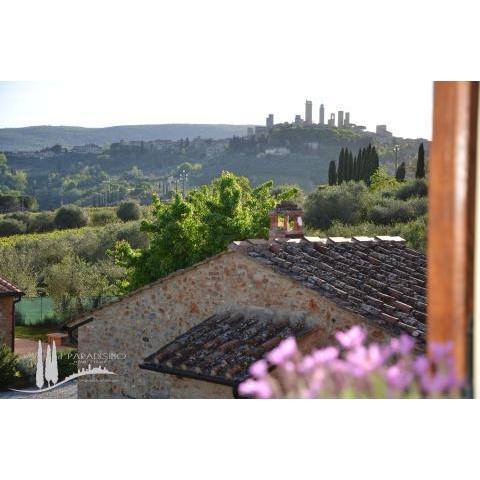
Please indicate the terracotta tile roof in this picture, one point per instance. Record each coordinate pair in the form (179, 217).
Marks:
(221, 348)
(7, 288)
(380, 278)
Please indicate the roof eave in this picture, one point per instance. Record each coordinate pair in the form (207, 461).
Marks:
(188, 374)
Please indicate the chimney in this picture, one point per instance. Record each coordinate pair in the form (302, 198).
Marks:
(286, 221)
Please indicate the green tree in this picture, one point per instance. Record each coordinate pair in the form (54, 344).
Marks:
(74, 280)
(8, 366)
(70, 216)
(10, 226)
(332, 173)
(400, 173)
(201, 225)
(341, 167)
(128, 211)
(381, 180)
(420, 172)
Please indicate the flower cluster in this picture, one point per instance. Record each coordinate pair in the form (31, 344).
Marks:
(354, 369)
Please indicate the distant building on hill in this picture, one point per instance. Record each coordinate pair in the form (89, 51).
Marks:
(322, 115)
(340, 119)
(331, 121)
(382, 131)
(308, 112)
(86, 149)
(298, 120)
(269, 121)
(347, 120)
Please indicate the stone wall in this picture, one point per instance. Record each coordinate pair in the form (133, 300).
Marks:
(6, 321)
(151, 317)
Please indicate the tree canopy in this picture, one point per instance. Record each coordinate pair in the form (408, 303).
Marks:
(190, 229)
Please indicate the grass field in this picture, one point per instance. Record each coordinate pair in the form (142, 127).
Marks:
(33, 333)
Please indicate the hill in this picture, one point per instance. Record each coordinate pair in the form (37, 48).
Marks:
(38, 137)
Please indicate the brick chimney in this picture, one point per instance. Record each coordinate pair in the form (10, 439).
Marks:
(285, 213)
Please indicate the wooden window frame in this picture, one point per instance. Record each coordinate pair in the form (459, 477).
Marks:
(450, 248)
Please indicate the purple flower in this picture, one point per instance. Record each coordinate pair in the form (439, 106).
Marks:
(257, 388)
(398, 378)
(351, 338)
(364, 360)
(421, 365)
(259, 369)
(307, 364)
(325, 355)
(285, 350)
(441, 351)
(402, 345)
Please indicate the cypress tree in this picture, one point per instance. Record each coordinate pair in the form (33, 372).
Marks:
(351, 175)
(400, 173)
(420, 173)
(362, 164)
(345, 165)
(341, 167)
(332, 173)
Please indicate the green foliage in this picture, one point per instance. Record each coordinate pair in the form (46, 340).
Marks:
(70, 216)
(26, 259)
(41, 222)
(342, 202)
(362, 167)
(27, 367)
(8, 367)
(199, 226)
(420, 171)
(102, 217)
(11, 180)
(73, 279)
(332, 173)
(414, 232)
(128, 211)
(67, 362)
(390, 210)
(412, 188)
(293, 193)
(10, 226)
(381, 180)
(400, 173)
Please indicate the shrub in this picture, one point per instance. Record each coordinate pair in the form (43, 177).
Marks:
(8, 367)
(22, 217)
(10, 226)
(341, 202)
(41, 222)
(102, 217)
(128, 211)
(27, 367)
(413, 188)
(67, 363)
(418, 205)
(70, 216)
(390, 212)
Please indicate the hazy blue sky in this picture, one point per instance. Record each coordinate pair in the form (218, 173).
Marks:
(404, 106)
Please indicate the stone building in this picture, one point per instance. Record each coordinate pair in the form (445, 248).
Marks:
(9, 295)
(194, 333)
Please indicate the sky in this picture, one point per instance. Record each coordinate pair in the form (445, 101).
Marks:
(405, 107)
(119, 62)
